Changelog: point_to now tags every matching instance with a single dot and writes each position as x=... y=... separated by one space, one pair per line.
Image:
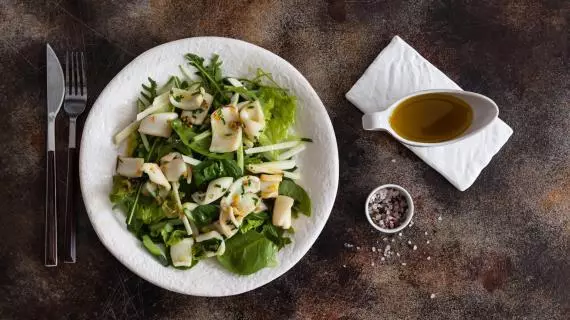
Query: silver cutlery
x=55 y=92
x=73 y=104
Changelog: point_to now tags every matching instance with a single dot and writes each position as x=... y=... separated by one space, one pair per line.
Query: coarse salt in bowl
x=380 y=196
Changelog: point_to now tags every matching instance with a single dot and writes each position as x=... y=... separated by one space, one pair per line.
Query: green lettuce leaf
x=279 y=109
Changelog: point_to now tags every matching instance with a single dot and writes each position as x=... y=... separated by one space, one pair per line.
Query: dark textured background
x=501 y=249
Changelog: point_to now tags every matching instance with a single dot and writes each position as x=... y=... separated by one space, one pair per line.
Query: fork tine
x=73 y=70
x=67 y=72
x=77 y=71
x=84 y=75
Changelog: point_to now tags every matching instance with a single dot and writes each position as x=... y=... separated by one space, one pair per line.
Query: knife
x=55 y=92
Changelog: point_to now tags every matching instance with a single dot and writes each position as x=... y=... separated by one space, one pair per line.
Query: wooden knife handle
x=50 y=241
x=69 y=254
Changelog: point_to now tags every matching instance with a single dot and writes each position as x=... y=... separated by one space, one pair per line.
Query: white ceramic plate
x=115 y=108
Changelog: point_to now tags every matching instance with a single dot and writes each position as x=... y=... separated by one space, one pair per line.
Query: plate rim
x=334 y=166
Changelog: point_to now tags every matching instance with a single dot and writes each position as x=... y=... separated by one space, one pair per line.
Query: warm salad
x=210 y=169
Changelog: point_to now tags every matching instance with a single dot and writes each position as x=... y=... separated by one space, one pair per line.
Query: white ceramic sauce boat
x=485 y=111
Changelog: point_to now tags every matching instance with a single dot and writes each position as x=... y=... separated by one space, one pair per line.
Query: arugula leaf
x=253 y=221
x=155 y=250
x=302 y=201
x=211 y=169
x=275 y=234
x=211 y=75
x=149 y=92
x=249 y=252
x=204 y=215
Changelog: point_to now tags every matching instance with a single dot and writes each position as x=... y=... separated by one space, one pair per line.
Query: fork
x=74 y=104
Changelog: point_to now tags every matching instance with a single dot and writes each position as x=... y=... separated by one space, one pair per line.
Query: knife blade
x=55 y=93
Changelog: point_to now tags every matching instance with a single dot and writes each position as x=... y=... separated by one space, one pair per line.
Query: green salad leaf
x=253 y=221
x=155 y=250
x=212 y=169
x=276 y=235
x=302 y=201
x=279 y=109
x=185 y=132
x=249 y=252
x=211 y=74
x=175 y=237
x=204 y=215
x=123 y=193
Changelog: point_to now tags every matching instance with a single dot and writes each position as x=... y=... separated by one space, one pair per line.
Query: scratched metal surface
x=501 y=249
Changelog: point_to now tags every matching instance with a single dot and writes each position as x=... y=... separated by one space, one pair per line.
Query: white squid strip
x=181 y=253
x=155 y=175
x=186 y=100
x=130 y=167
x=253 y=120
x=158 y=124
x=126 y=132
x=216 y=189
x=160 y=104
x=190 y=160
x=282 y=212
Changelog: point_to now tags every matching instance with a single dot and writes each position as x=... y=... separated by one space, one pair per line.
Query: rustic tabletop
x=499 y=250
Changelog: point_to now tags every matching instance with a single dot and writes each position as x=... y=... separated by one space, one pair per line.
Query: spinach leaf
x=200 y=249
x=212 y=169
x=302 y=201
x=249 y=252
x=275 y=234
x=253 y=221
x=204 y=215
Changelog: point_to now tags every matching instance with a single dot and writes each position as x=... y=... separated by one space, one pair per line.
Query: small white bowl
x=409 y=213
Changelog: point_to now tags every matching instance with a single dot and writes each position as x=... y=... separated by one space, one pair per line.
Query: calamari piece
x=130 y=167
x=226 y=130
x=216 y=189
x=181 y=253
x=158 y=124
x=253 y=120
x=282 y=212
x=155 y=175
